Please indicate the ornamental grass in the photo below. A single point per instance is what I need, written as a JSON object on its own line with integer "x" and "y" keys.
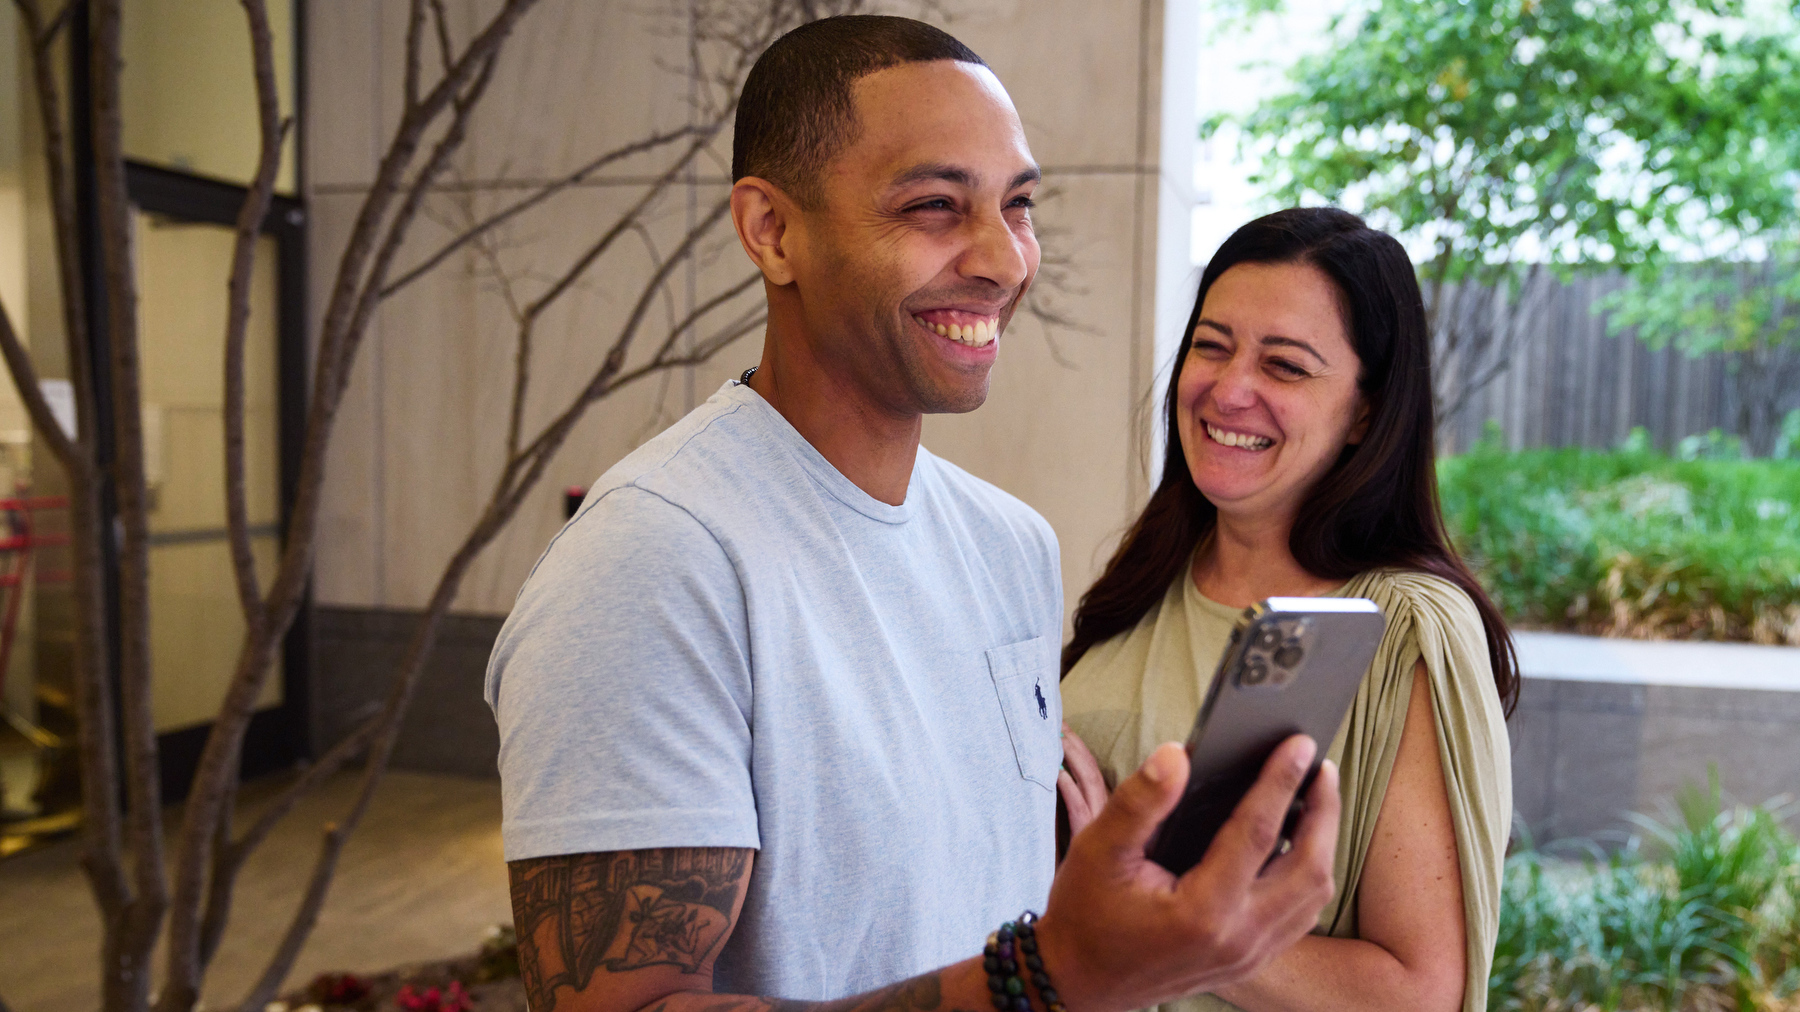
{"x": 1697, "y": 913}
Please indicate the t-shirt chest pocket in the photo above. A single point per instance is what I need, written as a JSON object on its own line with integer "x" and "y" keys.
{"x": 1025, "y": 679}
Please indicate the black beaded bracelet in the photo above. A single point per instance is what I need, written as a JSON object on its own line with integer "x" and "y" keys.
{"x": 1010, "y": 949}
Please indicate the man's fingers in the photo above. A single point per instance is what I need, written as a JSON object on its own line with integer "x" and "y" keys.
{"x": 1244, "y": 843}
{"x": 1316, "y": 833}
{"x": 1305, "y": 871}
{"x": 1142, "y": 801}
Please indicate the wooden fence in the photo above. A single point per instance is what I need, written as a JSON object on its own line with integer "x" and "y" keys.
{"x": 1573, "y": 384}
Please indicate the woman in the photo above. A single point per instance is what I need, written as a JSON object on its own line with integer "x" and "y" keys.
{"x": 1300, "y": 463}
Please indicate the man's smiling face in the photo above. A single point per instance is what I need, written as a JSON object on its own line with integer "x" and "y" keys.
{"x": 915, "y": 259}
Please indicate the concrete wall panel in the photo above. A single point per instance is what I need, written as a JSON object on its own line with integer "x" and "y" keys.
{"x": 419, "y": 443}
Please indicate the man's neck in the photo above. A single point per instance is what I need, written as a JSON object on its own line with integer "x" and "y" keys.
{"x": 872, "y": 446}
{"x": 1248, "y": 559}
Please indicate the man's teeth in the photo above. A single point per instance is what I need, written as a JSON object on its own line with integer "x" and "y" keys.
{"x": 1240, "y": 439}
{"x": 975, "y": 335}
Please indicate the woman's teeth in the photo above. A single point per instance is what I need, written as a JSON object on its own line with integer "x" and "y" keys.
{"x": 1243, "y": 440}
{"x": 975, "y": 335}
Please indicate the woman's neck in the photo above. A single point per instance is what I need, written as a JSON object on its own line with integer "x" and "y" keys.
{"x": 1244, "y": 561}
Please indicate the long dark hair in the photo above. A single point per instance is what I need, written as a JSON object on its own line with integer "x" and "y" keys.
{"x": 1377, "y": 506}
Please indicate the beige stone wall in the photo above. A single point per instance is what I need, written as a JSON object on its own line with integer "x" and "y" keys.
{"x": 420, "y": 438}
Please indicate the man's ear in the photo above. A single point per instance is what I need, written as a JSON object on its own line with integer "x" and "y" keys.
{"x": 761, "y": 214}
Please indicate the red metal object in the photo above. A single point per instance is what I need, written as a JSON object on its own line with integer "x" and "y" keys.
{"x": 15, "y": 562}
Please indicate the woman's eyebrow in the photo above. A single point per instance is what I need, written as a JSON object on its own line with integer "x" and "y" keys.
{"x": 1294, "y": 343}
{"x": 1214, "y": 324}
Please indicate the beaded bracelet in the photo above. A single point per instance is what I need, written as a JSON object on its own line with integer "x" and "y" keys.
{"x": 1015, "y": 944}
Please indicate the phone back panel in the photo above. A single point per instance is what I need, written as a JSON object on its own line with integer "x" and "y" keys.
{"x": 1293, "y": 667}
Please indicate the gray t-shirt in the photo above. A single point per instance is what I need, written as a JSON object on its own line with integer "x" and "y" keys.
{"x": 731, "y": 645}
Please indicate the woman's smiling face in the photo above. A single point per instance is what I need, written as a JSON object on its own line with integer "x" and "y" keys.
{"x": 1268, "y": 394}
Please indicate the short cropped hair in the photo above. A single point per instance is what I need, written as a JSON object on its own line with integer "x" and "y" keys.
{"x": 797, "y": 111}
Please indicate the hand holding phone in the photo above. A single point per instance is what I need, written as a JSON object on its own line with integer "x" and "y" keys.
{"x": 1292, "y": 667}
{"x": 1125, "y": 934}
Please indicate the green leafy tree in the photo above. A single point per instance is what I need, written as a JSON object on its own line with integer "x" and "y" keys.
{"x": 1741, "y": 298}
{"x": 1749, "y": 311}
{"x": 1510, "y": 142}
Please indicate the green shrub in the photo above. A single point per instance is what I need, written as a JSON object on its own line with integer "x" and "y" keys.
{"x": 1700, "y": 916}
{"x": 1633, "y": 542}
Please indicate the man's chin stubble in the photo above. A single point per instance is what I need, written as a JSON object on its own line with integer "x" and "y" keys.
{"x": 955, "y": 402}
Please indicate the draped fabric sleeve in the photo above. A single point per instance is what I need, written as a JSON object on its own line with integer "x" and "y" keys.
{"x": 1430, "y": 620}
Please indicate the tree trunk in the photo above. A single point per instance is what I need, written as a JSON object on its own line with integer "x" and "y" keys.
{"x": 142, "y": 922}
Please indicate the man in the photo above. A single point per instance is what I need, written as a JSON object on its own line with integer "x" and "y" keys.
{"x": 778, "y": 708}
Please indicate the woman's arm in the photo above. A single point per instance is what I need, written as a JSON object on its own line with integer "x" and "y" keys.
{"x": 1409, "y": 911}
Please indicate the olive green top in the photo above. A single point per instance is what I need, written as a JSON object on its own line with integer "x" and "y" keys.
{"x": 1143, "y": 687}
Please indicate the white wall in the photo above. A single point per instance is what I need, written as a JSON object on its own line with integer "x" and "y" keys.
{"x": 419, "y": 438}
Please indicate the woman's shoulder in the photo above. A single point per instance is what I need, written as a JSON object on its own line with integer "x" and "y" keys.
{"x": 1425, "y": 597}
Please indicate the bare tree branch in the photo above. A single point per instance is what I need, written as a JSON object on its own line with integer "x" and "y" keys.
{"x": 439, "y": 160}
{"x": 221, "y": 883}
{"x": 615, "y": 356}
{"x": 144, "y": 915}
{"x": 272, "y": 129}
{"x": 96, "y": 733}
{"x": 536, "y": 197}
{"x": 415, "y": 30}
{"x": 321, "y": 770}
{"x": 31, "y": 391}
{"x": 336, "y": 350}
{"x": 523, "y": 325}
{"x": 330, "y": 848}
{"x": 441, "y": 22}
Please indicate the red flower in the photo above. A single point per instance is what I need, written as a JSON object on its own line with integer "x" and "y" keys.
{"x": 433, "y": 999}
{"x": 338, "y": 989}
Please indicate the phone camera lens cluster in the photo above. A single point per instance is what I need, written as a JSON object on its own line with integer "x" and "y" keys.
{"x": 1275, "y": 653}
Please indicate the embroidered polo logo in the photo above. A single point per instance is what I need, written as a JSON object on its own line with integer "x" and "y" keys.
{"x": 1043, "y": 707}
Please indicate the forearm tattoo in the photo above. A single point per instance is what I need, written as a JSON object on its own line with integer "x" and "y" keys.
{"x": 583, "y": 913}
{"x": 620, "y": 911}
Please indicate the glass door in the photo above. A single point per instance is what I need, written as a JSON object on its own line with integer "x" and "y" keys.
{"x": 183, "y": 242}
{"x": 196, "y": 625}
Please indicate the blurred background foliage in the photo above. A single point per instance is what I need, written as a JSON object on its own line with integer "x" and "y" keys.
{"x": 1559, "y": 131}
{"x": 1631, "y": 542}
{"x": 1697, "y": 911}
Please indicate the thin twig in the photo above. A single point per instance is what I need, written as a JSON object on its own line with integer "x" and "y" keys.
{"x": 615, "y": 356}
{"x": 538, "y": 456}
{"x": 441, "y": 21}
{"x": 625, "y": 223}
{"x": 331, "y": 846}
{"x": 31, "y": 391}
{"x": 415, "y": 30}
{"x": 321, "y": 770}
{"x": 50, "y": 31}
{"x": 251, "y": 214}
{"x": 435, "y": 165}
{"x": 536, "y": 197}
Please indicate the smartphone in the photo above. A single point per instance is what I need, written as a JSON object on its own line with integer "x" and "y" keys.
{"x": 1292, "y": 667}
